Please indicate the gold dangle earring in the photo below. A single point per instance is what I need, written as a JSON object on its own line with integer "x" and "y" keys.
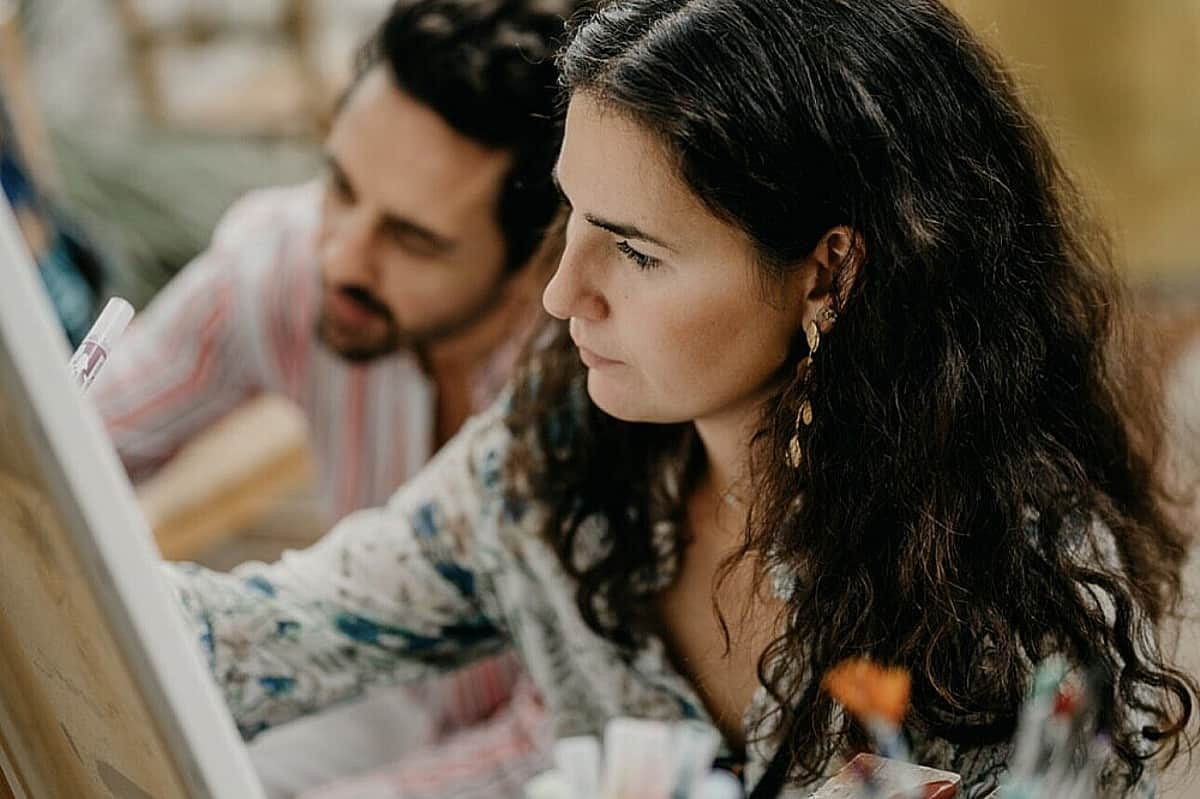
{"x": 804, "y": 413}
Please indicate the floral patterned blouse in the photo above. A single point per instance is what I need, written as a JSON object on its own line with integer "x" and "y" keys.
{"x": 449, "y": 571}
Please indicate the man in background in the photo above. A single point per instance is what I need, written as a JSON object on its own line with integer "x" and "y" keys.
{"x": 388, "y": 300}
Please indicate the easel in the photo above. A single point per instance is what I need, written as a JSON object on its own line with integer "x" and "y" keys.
{"x": 103, "y": 689}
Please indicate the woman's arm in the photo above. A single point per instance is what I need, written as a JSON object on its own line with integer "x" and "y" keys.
{"x": 391, "y": 593}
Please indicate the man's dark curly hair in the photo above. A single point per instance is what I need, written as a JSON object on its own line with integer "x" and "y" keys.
{"x": 487, "y": 68}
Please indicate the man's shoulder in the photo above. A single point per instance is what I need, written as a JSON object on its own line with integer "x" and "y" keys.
{"x": 276, "y": 214}
{"x": 266, "y": 247}
{"x": 266, "y": 244}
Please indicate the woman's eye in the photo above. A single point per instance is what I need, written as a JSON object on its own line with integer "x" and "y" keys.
{"x": 640, "y": 259}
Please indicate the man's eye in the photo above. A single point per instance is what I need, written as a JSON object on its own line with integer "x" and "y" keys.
{"x": 341, "y": 189}
{"x": 412, "y": 241}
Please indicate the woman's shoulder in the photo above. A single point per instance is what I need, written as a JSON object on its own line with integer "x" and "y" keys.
{"x": 496, "y": 455}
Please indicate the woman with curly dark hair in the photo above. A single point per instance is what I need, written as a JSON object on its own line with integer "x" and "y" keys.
{"x": 839, "y": 380}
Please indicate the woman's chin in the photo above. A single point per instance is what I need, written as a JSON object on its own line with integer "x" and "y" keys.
{"x": 610, "y": 399}
{"x": 621, "y": 403}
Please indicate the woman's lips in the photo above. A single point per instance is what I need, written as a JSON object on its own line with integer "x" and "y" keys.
{"x": 593, "y": 361}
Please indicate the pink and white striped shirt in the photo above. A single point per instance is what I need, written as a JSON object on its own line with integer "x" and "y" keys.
{"x": 240, "y": 320}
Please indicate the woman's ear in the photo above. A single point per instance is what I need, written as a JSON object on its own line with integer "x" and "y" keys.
{"x": 837, "y": 257}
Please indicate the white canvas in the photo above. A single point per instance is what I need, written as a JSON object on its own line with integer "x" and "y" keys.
{"x": 102, "y": 690}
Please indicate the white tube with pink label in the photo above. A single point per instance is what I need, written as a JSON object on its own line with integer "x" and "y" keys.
{"x": 93, "y": 352}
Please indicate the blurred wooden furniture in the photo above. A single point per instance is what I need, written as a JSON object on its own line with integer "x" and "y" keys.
{"x": 282, "y": 95}
{"x": 228, "y": 478}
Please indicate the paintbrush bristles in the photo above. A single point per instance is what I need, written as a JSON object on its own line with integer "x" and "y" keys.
{"x": 868, "y": 690}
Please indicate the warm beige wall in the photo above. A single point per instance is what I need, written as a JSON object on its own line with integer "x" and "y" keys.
{"x": 1118, "y": 82}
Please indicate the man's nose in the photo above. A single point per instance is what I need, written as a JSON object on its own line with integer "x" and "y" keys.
{"x": 347, "y": 250}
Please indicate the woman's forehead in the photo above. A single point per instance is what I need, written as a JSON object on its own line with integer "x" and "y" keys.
{"x": 599, "y": 137}
{"x": 612, "y": 164}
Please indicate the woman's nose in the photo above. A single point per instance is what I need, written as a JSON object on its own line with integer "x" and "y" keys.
{"x": 571, "y": 292}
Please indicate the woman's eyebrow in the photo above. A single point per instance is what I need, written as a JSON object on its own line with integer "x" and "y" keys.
{"x": 627, "y": 231}
{"x": 619, "y": 228}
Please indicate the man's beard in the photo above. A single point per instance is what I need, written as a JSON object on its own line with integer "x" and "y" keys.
{"x": 394, "y": 338}
{"x": 352, "y": 345}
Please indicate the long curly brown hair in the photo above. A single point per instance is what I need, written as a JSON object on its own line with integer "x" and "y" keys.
{"x": 974, "y": 424}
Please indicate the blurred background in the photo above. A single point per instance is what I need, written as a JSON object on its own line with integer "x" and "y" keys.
{"x": 156, "y": 114}
{"x": 138, "y": 122}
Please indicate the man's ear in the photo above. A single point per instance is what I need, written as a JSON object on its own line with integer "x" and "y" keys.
{"x": 837, "y": 258}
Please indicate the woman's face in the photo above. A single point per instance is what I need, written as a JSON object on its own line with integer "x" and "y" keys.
{"x": 666, "y": 302}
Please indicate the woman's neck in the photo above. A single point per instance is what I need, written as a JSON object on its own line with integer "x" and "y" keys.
{"x": 725, "y": 441}
{"x": 719, "y": 654}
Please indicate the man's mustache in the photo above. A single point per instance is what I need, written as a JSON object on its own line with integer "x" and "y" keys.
{"x": 366, "y": 299}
